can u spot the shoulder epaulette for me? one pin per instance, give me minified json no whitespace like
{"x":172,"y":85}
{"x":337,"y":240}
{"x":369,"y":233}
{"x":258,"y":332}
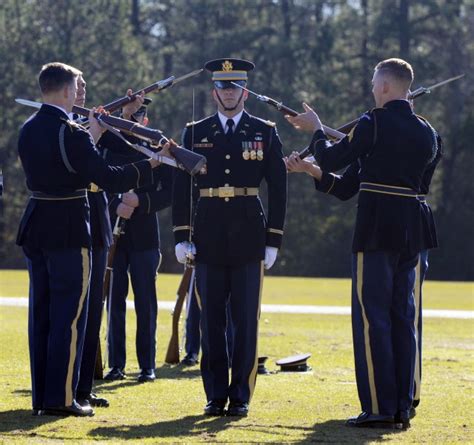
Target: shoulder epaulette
{"x":190,"y":124}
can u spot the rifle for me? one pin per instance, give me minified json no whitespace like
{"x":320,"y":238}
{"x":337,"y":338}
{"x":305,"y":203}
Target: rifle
{"x":421,"y":91}
{"x":172,"y":354}
{"x":183,"y":158}
{"x":154,"y":87}
{"x":117,"y":232}
{"x":287,"y":110}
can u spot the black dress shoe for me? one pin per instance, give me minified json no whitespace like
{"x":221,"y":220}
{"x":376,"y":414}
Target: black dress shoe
{"x":74,"y":410}
{"x":238,"y":409}
{"x":366,"y":420}
{"x":214,"y":408}
{"x":190,"y":360}
{"x":403,"y":417}
{"x":115,"y":373}
{"x":37,"y":412}
{"x":91,"y":399}
{"x":146,"y":375}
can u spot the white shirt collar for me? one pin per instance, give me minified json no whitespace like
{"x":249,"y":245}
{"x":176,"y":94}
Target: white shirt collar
{"x":224,"y":119}
{"x":59,"y":108}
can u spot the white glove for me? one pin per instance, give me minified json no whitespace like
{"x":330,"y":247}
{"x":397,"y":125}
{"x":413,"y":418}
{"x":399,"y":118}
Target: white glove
{"x":184,"y":250}
{"x":270,"y":257}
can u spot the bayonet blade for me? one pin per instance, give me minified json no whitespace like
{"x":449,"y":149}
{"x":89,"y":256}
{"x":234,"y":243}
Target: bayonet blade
{"x":187,"y":76}
{"x":444,"y":82}
{"x":28,"y":103}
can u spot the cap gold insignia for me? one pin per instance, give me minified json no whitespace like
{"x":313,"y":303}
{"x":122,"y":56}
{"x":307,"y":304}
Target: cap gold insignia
{"x":227,"y":66}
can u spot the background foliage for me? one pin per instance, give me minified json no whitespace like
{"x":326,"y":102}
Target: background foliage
{"x":320,"y":51}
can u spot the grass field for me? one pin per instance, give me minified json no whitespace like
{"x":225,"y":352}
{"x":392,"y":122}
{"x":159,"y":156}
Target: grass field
{"x":287,"y":408}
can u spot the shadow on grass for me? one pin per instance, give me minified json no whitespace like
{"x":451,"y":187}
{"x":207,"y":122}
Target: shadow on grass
{"x":165,"y":372}
{"x":21,"y":420}
{"x":335,"y":431}
{"x":22,"y":392}
{"x":202,"y":427}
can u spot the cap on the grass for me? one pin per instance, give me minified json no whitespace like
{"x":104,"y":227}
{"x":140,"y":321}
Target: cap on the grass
{"x":295,"y":363}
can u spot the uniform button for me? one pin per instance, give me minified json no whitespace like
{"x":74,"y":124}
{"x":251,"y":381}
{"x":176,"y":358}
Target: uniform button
{"x":227,"y":171}
{"x":226,"y":199}
{"x":227,"y":156}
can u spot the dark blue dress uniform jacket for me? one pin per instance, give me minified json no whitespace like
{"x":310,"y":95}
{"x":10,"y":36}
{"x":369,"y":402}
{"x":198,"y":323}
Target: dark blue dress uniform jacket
{"x":378,"y":148}
{"x":346,"y":185}
{"x":142,"y":229}
{"x":232,"y":231}
{"x":56,"y":171}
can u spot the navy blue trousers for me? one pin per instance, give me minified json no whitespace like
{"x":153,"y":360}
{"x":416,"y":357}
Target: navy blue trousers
{"x":94,"y":317}
{"x":383,"y":325}
{"x":421,"y":269}
{"x":59,"y":281}
{"x":193,"y":333}
{"x":143,"y":268}
{"x":240,"y":288}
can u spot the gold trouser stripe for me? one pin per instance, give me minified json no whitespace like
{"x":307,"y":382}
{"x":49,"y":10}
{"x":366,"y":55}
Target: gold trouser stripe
{"x":253,"y":374}
{"x":73,"y":345}
{"x":368,"y":351}
{"x":417,"y":317}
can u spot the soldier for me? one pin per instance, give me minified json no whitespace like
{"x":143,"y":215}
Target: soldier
{"x":138,"y":252}
{"x":101,"y":236}
{"x":60,"y":160}
{"x":232,"y":239}
{"x":390,"y":151}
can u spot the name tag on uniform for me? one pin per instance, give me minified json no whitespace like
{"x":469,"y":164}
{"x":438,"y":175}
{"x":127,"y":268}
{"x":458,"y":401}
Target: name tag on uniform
{"x":203,"y":145}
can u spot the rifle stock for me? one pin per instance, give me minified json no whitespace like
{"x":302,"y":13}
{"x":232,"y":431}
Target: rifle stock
{"x":172,"y":354}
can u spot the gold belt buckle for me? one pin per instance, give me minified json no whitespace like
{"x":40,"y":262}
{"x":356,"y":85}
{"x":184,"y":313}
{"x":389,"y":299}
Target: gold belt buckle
{"x":226,"y":192}
{"x":93,"y":187}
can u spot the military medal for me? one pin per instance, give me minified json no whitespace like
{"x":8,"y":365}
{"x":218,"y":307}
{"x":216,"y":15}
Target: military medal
{"x":245,"y":152}
{"x":253,"y":154}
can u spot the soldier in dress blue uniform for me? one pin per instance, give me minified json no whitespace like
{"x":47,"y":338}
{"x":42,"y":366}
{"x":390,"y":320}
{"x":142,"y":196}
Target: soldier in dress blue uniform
{"x":347,"y":185}
{"x":101,"y":237}
{"x":391,"y":153}
{"x":138,"y":252}
{"x":232,"y":239}
{"x":60,"y":160}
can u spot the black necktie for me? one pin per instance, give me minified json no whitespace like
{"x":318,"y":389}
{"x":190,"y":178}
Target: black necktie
{"x":230,"y":127}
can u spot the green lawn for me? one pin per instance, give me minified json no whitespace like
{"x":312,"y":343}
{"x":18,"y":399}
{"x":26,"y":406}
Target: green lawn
{"x":288,"y":290}
{"x":287,"y":408}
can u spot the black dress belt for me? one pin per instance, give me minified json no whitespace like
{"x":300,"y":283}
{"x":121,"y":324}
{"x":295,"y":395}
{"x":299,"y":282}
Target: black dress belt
{"x":77,"y":194}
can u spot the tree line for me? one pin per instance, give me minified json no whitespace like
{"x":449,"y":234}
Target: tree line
{"x":319,"y":51}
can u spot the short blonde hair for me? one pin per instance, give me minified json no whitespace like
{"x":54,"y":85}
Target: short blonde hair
{"x":56,"y":75}
{"x":400,"y":70}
